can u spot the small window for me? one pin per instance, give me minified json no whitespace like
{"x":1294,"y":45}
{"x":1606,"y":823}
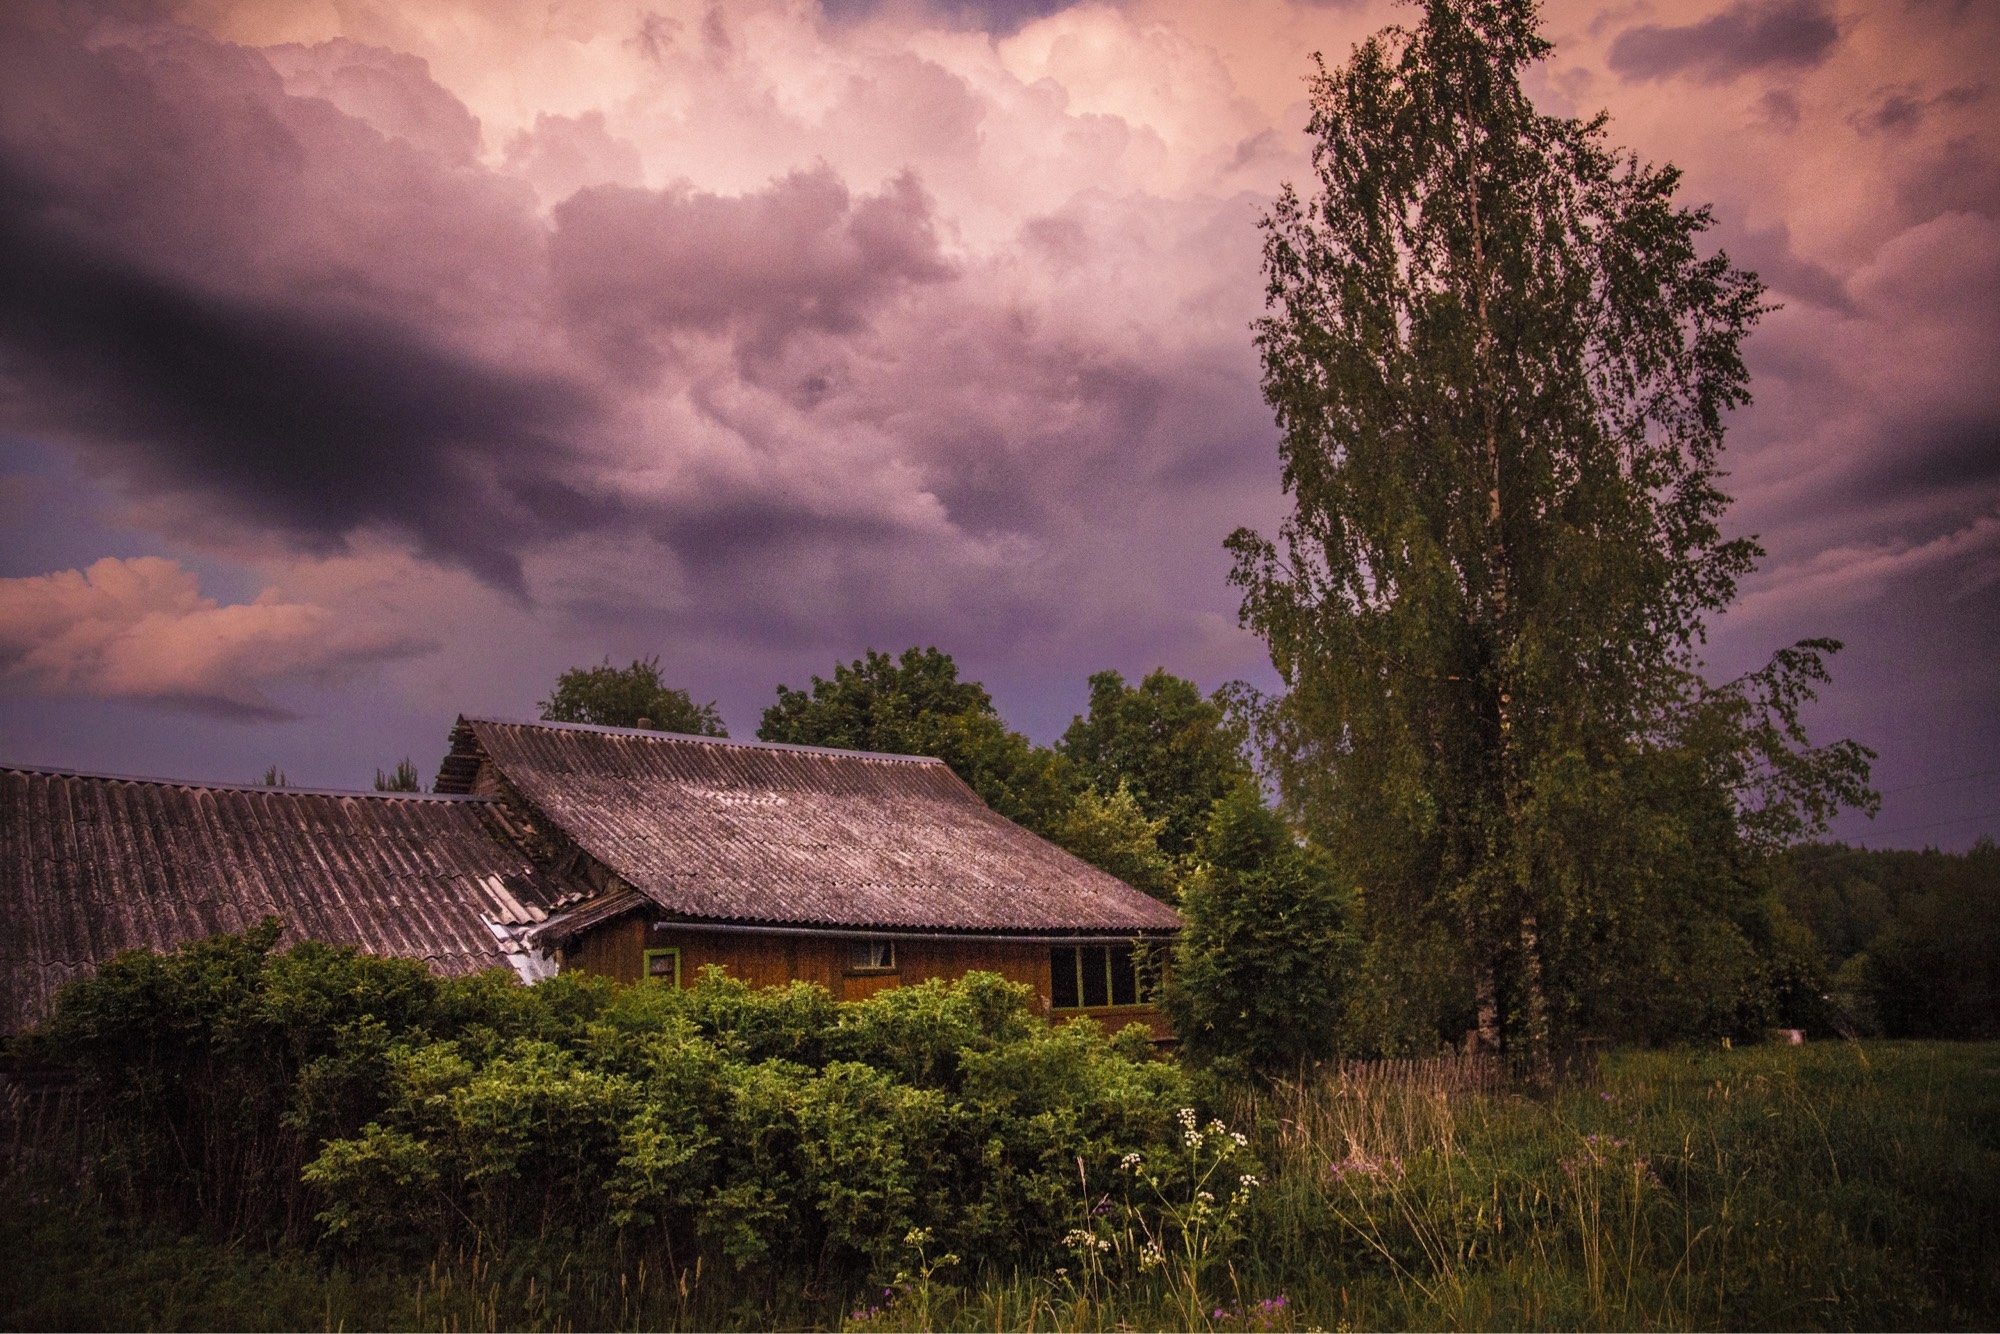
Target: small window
{"x":664,"y":966}
{"x":872,"y":956}
{"x":1094,"y":976}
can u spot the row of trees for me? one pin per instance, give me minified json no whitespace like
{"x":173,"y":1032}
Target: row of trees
{"x":1287,"y":955}
{"x":1911,"y":939}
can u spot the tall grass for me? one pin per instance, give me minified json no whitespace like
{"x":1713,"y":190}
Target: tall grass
{"x":1831,"y":1186}
{"x":1771,"y":1188}
{"x":1826,"y":1187}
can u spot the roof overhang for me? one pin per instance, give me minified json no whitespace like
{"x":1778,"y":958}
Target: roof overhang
{"x":610,"y":907}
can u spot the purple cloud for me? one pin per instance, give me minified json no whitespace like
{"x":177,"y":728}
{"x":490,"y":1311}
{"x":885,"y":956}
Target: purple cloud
{"x":634,"y":269}
{"x":1749,"y":35}
{"x":755,"y":339}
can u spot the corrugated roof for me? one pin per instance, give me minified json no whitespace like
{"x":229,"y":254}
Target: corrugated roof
{"x":756,"y":832}
{"x":91,"y":864}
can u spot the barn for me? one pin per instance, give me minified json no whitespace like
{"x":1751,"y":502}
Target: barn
{"x":631,"y":854}
{"x":91,"y":864}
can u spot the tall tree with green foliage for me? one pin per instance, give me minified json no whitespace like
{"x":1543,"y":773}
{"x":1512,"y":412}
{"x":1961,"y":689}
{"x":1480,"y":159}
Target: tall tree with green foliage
{"x":915,"y":704}
{"x":1501,"y":365}
{"x":1177,"y":752}
{"x":632,"y":696}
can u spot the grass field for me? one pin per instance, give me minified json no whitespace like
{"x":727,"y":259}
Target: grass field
{"x":1833,"y":1186}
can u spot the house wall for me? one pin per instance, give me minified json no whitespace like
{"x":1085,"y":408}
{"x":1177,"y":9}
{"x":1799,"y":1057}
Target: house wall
{"x":617,"y":949}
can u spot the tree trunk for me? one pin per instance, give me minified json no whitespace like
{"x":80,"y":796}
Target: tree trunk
{"x":1485,"y":985}
{"x":1486,"y":994}
{"x":1534,"y":1001}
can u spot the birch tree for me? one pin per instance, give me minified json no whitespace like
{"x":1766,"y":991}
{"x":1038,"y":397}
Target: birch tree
{"x":1501,"y":365}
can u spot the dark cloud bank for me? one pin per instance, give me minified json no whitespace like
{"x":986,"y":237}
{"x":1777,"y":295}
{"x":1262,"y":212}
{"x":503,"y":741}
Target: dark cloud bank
{"x":279,"y":289}
{"x":1749,"y":35}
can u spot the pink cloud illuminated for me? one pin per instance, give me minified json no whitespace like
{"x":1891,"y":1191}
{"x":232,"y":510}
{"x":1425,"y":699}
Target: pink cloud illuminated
{"x":141,"y":629}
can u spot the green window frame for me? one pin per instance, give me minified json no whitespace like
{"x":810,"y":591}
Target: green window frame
{"x":871,"y":956}
{"x":662,"y":966}
{"x":1096,"y":977}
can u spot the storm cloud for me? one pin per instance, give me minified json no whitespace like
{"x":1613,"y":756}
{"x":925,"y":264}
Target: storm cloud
{"x":312,"y":424}
{"x":758,"y":334}
{"x":1749,"y":35}
{"x":634,"y":268}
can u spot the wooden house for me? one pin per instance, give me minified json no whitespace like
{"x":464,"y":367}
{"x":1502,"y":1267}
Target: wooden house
{"x":855,"y":870}
{"x":626,"y":853}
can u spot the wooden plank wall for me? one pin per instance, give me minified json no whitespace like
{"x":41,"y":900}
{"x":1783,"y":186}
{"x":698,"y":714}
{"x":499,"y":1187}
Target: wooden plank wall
{"x":617,"y":949}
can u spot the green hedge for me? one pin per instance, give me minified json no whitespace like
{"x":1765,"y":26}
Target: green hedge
{"x":366,"y":1105}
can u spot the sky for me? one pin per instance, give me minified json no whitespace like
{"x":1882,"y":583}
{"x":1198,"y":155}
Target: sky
{"x":365,"y":364}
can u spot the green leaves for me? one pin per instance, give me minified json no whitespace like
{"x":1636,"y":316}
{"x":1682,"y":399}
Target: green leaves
{"x":1501,"y":368}
{"x":1262,"y":969}
{"x":1173,"y":751}
{"x":792,"y":1134}
{"x":634,"y":696}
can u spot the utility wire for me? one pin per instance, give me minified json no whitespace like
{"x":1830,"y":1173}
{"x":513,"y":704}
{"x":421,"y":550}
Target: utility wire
{"x":1939,"y":782}
{"x":1935,"y":824}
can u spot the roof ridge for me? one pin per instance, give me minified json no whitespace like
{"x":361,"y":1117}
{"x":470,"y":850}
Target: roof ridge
{"x":58,"y":771}
{"x":649,"y":734}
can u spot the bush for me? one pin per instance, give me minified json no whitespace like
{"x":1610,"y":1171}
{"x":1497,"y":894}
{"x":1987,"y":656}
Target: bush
{"x":1260,"y":971}
{"x":367,"y":1106}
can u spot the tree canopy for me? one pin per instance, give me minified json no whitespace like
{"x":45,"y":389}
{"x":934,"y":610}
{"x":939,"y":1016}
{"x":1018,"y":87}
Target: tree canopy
{"x":632,"y":696}
{"x":1501,"y":367}
{"x":1175,"y":751}
{"x":916,"y":705}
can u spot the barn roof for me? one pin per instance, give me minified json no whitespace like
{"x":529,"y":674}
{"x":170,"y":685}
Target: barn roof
{"x":754,"y":832}
{"x":91,"y":864}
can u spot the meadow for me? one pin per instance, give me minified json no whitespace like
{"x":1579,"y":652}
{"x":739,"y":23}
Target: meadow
{"x":1827,"y":1186}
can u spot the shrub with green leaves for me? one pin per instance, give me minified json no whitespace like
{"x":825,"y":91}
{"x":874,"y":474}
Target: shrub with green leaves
{"x":1261,"y":971}
{"x":368,"y":1105}
{"x":791,"y":1134}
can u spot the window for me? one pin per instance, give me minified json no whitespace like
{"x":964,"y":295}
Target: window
{"x":664,"y":966}
{"x":872,"y":956}
{"x":1091,"y":976}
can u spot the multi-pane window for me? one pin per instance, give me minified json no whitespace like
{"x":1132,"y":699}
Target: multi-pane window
{"x":1084,"y":977}
{"x":663,"y":966}
{"x":872,"y":956}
